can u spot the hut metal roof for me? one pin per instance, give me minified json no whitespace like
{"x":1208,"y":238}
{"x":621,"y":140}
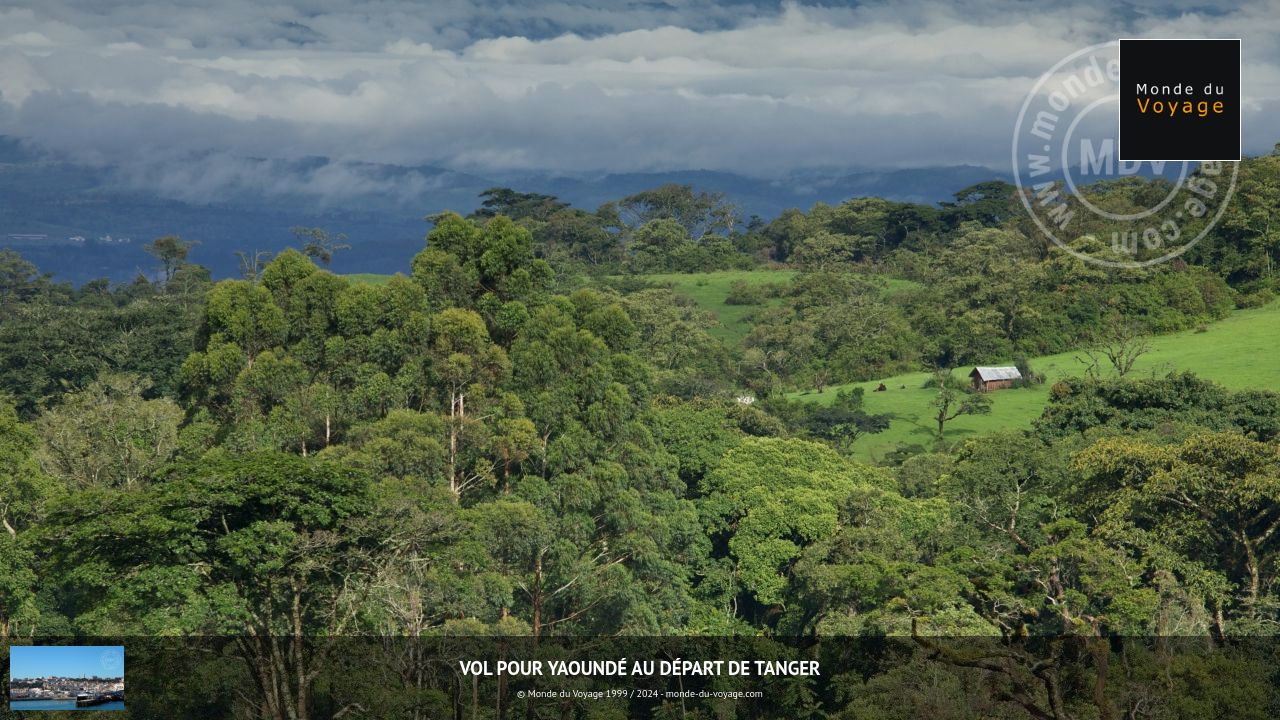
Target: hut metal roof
{"x":996,"y":373}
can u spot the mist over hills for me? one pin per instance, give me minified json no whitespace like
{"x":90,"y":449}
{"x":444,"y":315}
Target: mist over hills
{"x":84,"y":221}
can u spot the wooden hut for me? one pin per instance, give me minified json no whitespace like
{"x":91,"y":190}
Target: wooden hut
{"x":986,"y":379}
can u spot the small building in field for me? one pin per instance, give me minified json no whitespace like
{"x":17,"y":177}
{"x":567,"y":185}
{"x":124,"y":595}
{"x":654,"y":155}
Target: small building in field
{"x":986,"y":379}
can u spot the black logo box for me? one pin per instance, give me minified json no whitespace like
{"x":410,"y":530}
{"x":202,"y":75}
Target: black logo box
{"x":1180,"y":64}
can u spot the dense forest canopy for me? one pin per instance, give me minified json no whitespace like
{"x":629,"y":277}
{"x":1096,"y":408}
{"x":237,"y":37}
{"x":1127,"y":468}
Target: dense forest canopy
{"x":527,"y":435}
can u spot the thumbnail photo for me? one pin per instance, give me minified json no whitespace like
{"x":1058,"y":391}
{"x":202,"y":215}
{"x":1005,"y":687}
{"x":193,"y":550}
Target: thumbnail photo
{"x":66,"y":677}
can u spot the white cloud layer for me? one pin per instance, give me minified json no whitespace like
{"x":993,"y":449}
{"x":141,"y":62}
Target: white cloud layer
{"x":759,"y":89}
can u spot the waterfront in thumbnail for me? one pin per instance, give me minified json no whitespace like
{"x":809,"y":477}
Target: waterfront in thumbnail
{"x":66,"y":677}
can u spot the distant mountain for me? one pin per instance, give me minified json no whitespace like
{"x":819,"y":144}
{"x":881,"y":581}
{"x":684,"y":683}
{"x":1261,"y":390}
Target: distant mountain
{"x":82,"y":222}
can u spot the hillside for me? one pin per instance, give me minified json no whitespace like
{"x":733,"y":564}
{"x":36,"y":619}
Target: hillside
{"x":1238,"y":352}
{"x":710,"y":289}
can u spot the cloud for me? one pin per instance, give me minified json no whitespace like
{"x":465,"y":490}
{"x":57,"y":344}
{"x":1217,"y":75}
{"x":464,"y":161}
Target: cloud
{"x":314,"y":179}
{"x":756,"y":88}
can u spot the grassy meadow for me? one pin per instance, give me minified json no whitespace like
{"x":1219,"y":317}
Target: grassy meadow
{"x":709,"y":290}
{"x":1242,"y":351}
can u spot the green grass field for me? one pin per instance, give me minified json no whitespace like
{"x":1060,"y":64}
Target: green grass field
{"x":709,"y":290}
{"x":1238,"y":352}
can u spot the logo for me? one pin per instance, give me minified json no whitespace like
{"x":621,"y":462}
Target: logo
{"x":1086,"y":200}
{"x":1180,"y":99}
{"x":112,"y":660}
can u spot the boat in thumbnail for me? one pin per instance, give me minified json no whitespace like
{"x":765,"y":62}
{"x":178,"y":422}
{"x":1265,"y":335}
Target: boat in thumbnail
{"x":90,"y":700}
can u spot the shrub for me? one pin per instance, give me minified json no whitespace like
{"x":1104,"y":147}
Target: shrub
{"x":1255,"y":299}
{"x":1030,"y":378}
{"x":743,"y":293}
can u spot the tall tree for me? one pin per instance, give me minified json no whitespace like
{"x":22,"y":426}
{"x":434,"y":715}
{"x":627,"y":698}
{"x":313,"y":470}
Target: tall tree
{"x":19,"y":279}
{"x":1212,"y":501}
{"x":109,"y":435}
{"x":517,"y":205}
{"x":467,"y":364}
{"x":698,"y":212}
{"x":318,"y":244}
{"x":268,"y":548}
{"x":171,"y":251}
{"x":246,"y":314}
{"x":465,"y":265}
{"x":769,"y":498}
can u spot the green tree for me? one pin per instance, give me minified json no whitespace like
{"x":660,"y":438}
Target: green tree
{"x":769,"y":498}
{"x":987,"y":202}
{"x":786,"y":232}
{"x":673,"y":335}
{"x":19,"y":279}
{"x":50,"y":345}
{"x":951,"y":401}
{"x":825,"y":251}
{"x":579,"y":235}
{"x":22,"y":486}
{"x":269,"y":548}
{"x":24,"y":491}
{"x":318,"y":244}
{"x":466,"y":266}
{"x":171,"y":251}
{"x":18,"y":587}
{"x":108,"y":435}
{"x":517,"y":205}
{"x":1174,"y":401}
{"x":655,"y":244}
{"x":466,"y":363}
{"x":1245,"y":244}
{"x":1210,"y":502}
{"x":246,"y":314}
{"x":1038,"y":576}
{"x":879,"y":572}
{"x":697,"y":212}
{"x":844,"y":421}
{"x":406,"y":444}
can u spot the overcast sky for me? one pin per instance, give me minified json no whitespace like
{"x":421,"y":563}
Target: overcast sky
{"x":753,"y":87}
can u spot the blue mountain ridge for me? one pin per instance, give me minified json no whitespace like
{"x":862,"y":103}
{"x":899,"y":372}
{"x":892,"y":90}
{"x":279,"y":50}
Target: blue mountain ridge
{"x":380,"y":207}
